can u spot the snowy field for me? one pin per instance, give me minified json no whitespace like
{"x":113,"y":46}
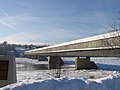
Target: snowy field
{"x":31,"y":76}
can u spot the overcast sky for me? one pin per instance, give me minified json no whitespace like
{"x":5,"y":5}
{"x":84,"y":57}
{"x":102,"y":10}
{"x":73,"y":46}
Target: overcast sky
{"x":54,"y":21}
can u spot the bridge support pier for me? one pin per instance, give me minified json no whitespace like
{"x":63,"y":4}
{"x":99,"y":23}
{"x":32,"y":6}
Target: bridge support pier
{"x":84,"y":63}
{"x":54,"y":62}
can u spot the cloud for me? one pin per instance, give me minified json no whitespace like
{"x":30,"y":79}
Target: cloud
{"x":20,"y":38}
{"x":8,"y":25}
{"x":7,"y":21}
{"x":49,"y":30}
{"x":88,"y":17}
{"x":52,"y":36}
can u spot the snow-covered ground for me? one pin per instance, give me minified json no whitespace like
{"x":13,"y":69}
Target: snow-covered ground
{"x":31,"y":78}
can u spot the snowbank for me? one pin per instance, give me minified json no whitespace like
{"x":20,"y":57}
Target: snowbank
{"x":71,"y":79}
{"x":108,"y":83}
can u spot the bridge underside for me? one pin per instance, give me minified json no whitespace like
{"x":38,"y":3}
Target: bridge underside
{"x":80,"y":63}
{"x":113,"y":52}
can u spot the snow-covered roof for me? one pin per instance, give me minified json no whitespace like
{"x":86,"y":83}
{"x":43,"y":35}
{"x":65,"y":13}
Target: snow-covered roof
{"x":97,"y":37}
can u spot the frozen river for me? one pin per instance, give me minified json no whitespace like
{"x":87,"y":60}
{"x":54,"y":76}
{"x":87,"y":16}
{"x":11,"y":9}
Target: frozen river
{"x":104,"y":63}
{"x":106,"y":66}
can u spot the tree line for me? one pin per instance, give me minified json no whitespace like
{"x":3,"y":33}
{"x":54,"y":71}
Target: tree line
{"x":17,"y":49}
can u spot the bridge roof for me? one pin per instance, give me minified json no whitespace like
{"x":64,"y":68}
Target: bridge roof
{"x":97,"y":37}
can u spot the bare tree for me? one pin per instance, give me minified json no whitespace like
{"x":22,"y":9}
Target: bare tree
{"x":116,"y":23}
{"x":113,"y":42}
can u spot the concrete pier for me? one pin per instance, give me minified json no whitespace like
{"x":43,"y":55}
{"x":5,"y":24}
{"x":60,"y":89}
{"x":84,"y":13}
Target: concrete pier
{"x":84,"y":63}
{"x":54,"y":62}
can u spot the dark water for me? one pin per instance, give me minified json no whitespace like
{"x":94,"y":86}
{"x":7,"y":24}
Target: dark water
{"x":25,"y":64}
{"x":28,"y":66}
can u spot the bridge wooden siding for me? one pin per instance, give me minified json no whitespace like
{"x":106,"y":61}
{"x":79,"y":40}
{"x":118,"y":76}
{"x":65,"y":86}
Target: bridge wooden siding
{"x":113,"y":52}
{"x":100,"y":46}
